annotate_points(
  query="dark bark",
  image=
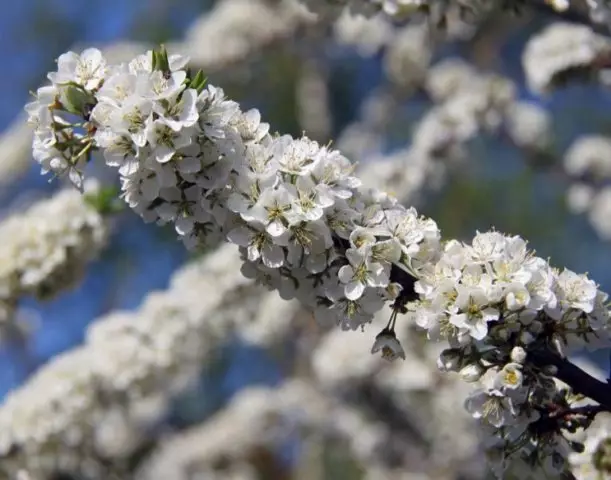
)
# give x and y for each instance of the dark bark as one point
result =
(575, 377)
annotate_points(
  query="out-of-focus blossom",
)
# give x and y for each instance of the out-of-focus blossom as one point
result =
(559, 50)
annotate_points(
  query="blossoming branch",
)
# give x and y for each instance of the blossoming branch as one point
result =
(46, 249)
(188, 156)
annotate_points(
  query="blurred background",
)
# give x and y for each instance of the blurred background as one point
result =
(496, 186)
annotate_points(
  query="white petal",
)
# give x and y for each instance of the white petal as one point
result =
(163, 154)
(150, 188)
(354, 290)
(76, 178)
(129, 167)
(253, 253)
(184, 225)
(276, 228)
(479, 330)
(345, 274)
(189, 165)
(273, 256)
(167, 211)
(240, 236)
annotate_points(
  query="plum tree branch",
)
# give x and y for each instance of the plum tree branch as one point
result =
(575, 377)
(569, 373)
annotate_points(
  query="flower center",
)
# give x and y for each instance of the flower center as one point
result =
(387, 352)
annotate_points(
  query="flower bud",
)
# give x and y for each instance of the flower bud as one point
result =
(526, 337)
(75, 99)
(387, 343)
(502, 333)
(518, 355)
(449, 360)
(472, 373)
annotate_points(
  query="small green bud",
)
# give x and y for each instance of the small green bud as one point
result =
(75, 99)
(161, 61)
(198, 82)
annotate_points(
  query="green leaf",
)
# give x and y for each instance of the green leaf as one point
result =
(198, 82)
(105, 200)
(161, 61)
(76, 98)
(154, 60)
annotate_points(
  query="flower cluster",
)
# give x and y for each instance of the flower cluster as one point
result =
(588, 164)
(594, 463)
(493, 300)
(234, 28)
(497, 282)
(467, 103)
(16, 149)
(366, 35)
(46, 248)
(263, 419)
(190, 157)
(306, 227)
(438, 11)
(561, 51)
(96, 404)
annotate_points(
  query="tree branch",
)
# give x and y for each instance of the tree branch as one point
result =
(575, 377)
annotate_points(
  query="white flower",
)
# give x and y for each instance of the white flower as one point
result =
(386, 251)
(509, 378)
(588, 156)
(490, 406)
(247, 191)
(296, 157)
(488, 246)
(249, 126)
(40, 116)
(387, 342)
(473, 313)
(308, 245)
(117, 88)
(119, 151)
(576, 291)
(310, 203)
(349, 314)
(180, 112)
(361, 273)
(133, 117)
(272, 210)
(215, 112)
(516, 296)
(259, 244)
(472, 373)
(362, 237)
(86, 69)
(540, 285)
(558, 5)
(158, 86)
(333, 174)
(164, 140)
(142, 63)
